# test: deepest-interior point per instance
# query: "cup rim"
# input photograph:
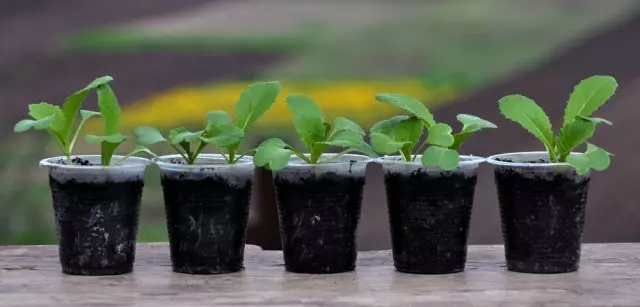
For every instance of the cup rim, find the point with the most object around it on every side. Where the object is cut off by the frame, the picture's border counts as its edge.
(493, 160)
(216, 157)
(129, 162)
(469, 160)
(298, 162)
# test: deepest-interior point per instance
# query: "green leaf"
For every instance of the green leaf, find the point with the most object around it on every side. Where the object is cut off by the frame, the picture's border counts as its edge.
(572, 135)
(530, 116)
(254, 101)
(345, 139)
(599, 158)
(107, 151)
(73, 103)
(175, 131)
(86, 114)
(308, 120)
(384, 144)
(272, 154)
(116, 138)
(218, 118)
(580, 162)
(472, 123)
(444, 158)
(185, 136)
(345, 124)
(223, 136)
(409, 104)
(27, 124)
(596, 120)
(589, 95)
(141, 149)
(109, 108)
(440, 135)
(148, 135)
(42, 110)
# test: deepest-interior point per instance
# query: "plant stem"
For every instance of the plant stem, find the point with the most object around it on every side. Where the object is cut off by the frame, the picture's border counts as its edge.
(301, 156)
(336, 155)
(180, 152)
(75, 135)
(420, 149)
(245, 153)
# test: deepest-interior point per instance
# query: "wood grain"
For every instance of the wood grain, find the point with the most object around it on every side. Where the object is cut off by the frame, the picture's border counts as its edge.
(609, 275)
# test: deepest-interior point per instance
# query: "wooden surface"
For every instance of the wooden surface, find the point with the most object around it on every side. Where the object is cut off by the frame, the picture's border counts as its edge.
(609, 275)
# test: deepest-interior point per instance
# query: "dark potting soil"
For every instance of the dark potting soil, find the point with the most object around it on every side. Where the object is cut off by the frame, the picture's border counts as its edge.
(97, 225)
(429, 216)
(206, 221)
(75, 161)
(318, 222)
(542, 219)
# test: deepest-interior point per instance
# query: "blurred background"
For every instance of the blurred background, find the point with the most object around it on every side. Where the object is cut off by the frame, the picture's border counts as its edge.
(173, 61)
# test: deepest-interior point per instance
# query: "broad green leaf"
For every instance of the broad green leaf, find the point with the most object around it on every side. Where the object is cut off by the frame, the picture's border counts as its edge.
(272, 154)
(86, 114)
(109, 108)
(175, 131)
(218, 118)
(186, 136)
(223, 136)
(116, 138)
(409, 104)
(572, 135)
(141, 149)
(107, 151)
(41, 110)
(599, 158)
(149, 135)
(472, 123)
(406, 129)
(596, 120)
(384, 144)
(345, 139)
(308, 119)
(387, 126)
(530, 116)
(345, 124)
(440, 135)
(589, 95)
(444, 158)
(366, 149)
(580, 162)
(254, 101)
(73, 103)
(27, 124)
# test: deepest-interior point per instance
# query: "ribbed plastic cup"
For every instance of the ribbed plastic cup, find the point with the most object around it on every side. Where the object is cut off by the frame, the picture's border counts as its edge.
(319, 210)
(429, 213)
(96, 210)
(542, 207)
(207, 207)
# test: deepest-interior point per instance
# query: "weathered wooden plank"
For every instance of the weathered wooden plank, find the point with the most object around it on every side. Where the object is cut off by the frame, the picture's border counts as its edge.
(609, 275)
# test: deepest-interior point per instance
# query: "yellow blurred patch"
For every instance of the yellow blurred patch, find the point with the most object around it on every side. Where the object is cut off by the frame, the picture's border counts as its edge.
(353, 99)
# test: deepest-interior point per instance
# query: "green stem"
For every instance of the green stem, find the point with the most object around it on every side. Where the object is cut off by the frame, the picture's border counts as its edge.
(75, 135)
(421, 148)
(180, 152)
(299, 155)
(336, 155)
(245, 153)
(201, 146)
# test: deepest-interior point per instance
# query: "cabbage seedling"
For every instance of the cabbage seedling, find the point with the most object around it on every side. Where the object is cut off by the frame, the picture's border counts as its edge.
(401, 134)
(220, 130)
(578, 125)
(316, 134)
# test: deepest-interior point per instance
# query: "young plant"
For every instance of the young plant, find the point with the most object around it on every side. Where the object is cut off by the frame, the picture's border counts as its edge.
(316, 134)
(60, 122)
(401, 134)
(220, 130)
(578, 126)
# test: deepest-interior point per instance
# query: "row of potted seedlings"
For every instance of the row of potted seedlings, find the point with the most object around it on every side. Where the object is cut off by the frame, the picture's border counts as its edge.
(429, 185)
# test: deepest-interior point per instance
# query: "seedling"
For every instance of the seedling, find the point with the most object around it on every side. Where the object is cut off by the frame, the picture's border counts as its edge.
(220, 131)
(316, 134)
(401, 134)
(578, 127)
